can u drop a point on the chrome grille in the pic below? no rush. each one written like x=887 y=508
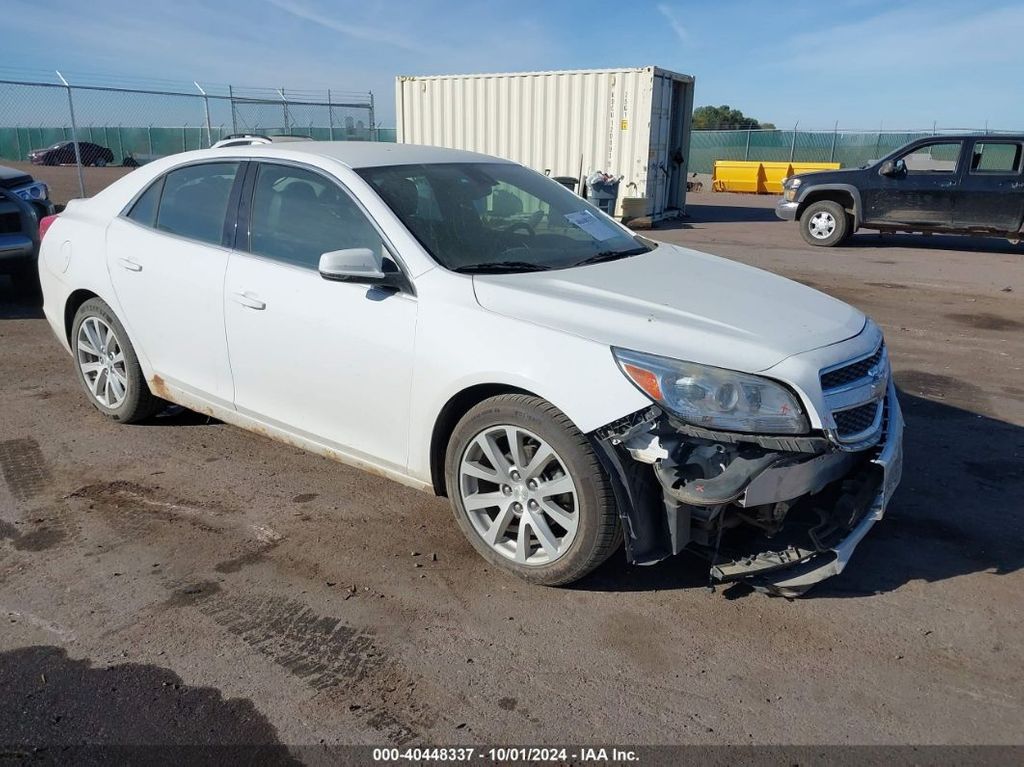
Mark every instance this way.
x=848 y=374
x=855 y=394
x=850 y=423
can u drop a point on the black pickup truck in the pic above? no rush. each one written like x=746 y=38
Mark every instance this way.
x=23 y=203
x=954 y=184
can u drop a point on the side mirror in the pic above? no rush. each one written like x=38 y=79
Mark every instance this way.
x=893 y=168
x=359 y=265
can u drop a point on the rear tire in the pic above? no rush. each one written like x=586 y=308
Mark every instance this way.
x=825 y=224
x=550 y=520
x=107 y=366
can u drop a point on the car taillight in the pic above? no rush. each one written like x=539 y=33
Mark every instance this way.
x=45 y=224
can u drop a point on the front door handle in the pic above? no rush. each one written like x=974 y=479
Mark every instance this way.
x=947 y=184
x=1017 y=185
x=247 y=299
x=130 y=265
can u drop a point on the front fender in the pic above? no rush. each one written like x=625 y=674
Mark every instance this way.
x=858 y=209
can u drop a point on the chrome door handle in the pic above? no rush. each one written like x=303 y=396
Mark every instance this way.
x=947 y=184
x=1017 y=185
x=245 y=299
x=130 y=265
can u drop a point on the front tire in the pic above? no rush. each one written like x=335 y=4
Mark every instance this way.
x=528 y=491
x=825 y=224
x=107 y=366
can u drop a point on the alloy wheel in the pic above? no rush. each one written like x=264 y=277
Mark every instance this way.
x=102 y=362
x=518 y=495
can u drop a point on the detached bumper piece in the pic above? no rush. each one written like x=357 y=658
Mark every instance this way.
x=778 y=514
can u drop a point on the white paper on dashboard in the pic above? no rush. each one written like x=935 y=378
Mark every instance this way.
x=591 y=224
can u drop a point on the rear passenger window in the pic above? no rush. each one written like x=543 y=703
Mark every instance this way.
x=996 y=157
x=298 y=215
x=195 y=201
x=144 y=209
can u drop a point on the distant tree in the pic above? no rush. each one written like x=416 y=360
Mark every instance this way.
x=724 y=118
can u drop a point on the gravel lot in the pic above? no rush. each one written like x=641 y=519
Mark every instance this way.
x=183 y=581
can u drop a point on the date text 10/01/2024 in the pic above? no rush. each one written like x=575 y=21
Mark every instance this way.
x=504 y=754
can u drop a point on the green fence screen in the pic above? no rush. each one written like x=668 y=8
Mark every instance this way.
x=145 y=144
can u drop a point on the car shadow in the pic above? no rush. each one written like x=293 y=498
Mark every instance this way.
x=176 y=415
x=60 y=710
x=957 y=512
x=700 y=213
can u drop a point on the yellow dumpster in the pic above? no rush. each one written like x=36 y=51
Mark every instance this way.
x=760 y=177
x=808 y=167
x=774 y=172
x=737 y=176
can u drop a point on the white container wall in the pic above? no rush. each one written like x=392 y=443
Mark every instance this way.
x=633 y=123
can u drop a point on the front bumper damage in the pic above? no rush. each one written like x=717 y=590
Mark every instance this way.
x=779 y=513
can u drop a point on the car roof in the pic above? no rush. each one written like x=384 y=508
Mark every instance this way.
x=366 y=154
x=970 y=136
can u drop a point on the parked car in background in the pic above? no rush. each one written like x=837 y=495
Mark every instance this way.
x=467 y=326
x=954 y=184
x=63 y=153
x=23 y=202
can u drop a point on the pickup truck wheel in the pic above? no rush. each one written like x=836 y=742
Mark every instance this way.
x=528 y=491
x=824 y=223
x=108 y=367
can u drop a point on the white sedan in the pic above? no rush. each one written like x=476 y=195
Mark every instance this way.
x=467 y=326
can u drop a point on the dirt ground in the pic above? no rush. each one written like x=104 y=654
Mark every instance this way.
x=183 y=581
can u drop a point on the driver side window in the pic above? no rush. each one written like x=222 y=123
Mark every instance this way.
x=298 y=215
x=936 y=157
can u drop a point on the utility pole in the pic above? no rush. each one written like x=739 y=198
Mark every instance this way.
x=234 y=117
x=74 y=135
x=206 y=104
x=330 y=113
x=284 y=109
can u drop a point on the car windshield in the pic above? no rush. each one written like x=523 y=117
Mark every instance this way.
x=498 y=217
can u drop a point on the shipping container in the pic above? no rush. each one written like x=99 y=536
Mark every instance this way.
x=633 y=123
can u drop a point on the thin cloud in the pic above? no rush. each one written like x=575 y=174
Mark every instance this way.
x=674 y=22
x=369 y=34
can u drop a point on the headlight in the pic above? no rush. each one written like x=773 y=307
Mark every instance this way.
x=789 y=187
x=34 y=191
x=713 y=397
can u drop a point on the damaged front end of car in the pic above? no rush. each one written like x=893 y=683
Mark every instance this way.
x=778 y=511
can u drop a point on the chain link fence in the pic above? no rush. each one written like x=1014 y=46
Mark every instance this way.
x=849 y=148
x=84 y=123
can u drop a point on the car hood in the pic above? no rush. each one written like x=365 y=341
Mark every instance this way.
x=12 y=177
x=678 y=303
x=838 y=176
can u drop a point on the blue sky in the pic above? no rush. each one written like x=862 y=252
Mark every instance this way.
x=864 y=63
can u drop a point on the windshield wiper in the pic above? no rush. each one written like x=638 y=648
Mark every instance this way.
x=611 y=255
x=502 y=266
